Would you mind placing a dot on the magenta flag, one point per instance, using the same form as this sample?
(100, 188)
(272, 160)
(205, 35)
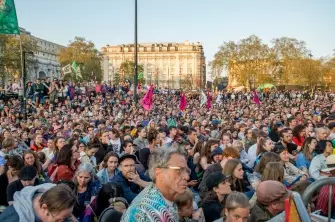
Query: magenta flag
(147, 100)
(183, 102)
(209, 103)
(256, 99)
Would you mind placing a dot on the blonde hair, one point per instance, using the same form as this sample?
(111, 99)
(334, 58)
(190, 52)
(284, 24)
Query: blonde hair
(273, 171)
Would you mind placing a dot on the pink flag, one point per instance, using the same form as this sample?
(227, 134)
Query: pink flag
(256, 99)
(147, 100)
(183, 102)
(209, 103)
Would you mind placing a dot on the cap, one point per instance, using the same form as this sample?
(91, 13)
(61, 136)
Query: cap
(127, 156)
(330, 161)
(216, 151)
(269, 191)
(278, 148)
(27, 173)
(215, 179)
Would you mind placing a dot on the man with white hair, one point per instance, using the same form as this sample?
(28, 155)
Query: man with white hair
(169, 173)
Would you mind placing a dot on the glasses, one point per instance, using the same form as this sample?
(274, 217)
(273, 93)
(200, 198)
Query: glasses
(180, 170)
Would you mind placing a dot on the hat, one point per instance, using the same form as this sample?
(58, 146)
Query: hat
(215, 179)
(127, 156)
(216, 122)
(330, 161)
(269, 191)
(27, 173)
(216, 151)
(279, 148)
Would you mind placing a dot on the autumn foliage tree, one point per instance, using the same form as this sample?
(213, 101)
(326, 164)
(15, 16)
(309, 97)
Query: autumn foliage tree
(85, 54)
(286, 61)
(126, 71)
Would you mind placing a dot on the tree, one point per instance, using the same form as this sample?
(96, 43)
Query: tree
(127, 70)
(85, 54)
(10, 55)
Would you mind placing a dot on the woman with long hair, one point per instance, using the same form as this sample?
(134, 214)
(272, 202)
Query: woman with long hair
(233, 168)
(205, 153)
(264, 145)
(87, 185)
(304, 158)
(299, 133)
(66, 164)
(30, 158)
(273, 171)
(59, 143)
(109, 170)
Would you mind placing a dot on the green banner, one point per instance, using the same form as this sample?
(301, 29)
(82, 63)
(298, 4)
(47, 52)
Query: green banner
(140, 76)
(8, 18)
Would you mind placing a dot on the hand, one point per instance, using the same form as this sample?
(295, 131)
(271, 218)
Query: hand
(133, 177)
(198, 214)
(192, 183)
(304, 177)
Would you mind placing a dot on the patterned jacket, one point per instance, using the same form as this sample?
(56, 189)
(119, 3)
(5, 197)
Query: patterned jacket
(150, 206)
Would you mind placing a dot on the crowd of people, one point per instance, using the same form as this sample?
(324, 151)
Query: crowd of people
(89, 151)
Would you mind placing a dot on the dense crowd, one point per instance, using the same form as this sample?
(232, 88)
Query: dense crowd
(88, 151)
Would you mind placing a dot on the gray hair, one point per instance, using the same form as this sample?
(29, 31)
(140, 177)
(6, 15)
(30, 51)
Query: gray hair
(160, 157)
(85, 167)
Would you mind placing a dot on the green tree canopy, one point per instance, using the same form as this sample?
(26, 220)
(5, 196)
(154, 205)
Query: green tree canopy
(85, 54)
(127, 71)
(10, 54)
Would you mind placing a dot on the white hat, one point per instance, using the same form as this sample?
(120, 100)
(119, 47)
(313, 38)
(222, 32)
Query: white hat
(330, 161)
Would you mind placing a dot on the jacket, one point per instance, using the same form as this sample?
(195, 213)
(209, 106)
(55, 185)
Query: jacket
(130, 189)
(259, 213)
(22, 208)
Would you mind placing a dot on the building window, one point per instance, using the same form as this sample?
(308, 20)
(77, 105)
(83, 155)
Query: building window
(189, 70)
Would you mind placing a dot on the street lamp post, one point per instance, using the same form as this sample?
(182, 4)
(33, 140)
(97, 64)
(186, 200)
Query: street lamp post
(135, 55)
(24, 102)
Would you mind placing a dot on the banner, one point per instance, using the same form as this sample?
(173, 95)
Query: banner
(203, 99)
(183, 102)
(147, 100)
(67, 69)
(256, 99)
(140, 76)
(76, 69)
(8, 18)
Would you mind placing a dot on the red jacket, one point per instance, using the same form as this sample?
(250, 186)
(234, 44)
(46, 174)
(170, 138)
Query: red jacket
(64, 172)
(36, 148)
(296, 141)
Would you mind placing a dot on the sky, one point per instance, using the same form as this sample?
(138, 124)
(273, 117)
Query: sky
(210, 22)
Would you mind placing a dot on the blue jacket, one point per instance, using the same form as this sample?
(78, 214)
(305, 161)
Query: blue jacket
(130, 189)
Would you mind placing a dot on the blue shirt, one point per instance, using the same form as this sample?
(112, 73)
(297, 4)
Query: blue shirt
(301, 161)
(130, 189)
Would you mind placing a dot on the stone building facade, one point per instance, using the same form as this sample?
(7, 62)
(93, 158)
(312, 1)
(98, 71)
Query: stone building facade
(44, 62)
(167, 65)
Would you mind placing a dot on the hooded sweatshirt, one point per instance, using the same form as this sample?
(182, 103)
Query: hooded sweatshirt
(22, 208)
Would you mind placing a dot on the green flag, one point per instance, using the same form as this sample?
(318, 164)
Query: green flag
(8, 18)
(74, 66)
(140, 76)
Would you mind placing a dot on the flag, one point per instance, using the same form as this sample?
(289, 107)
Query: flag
(183, 102)
(209, 103)
(140, 76)
(219, 99)
(67, 69)
(147, 100)
(8, 18)
(256, 99)
(76, 69)
(203, 99)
